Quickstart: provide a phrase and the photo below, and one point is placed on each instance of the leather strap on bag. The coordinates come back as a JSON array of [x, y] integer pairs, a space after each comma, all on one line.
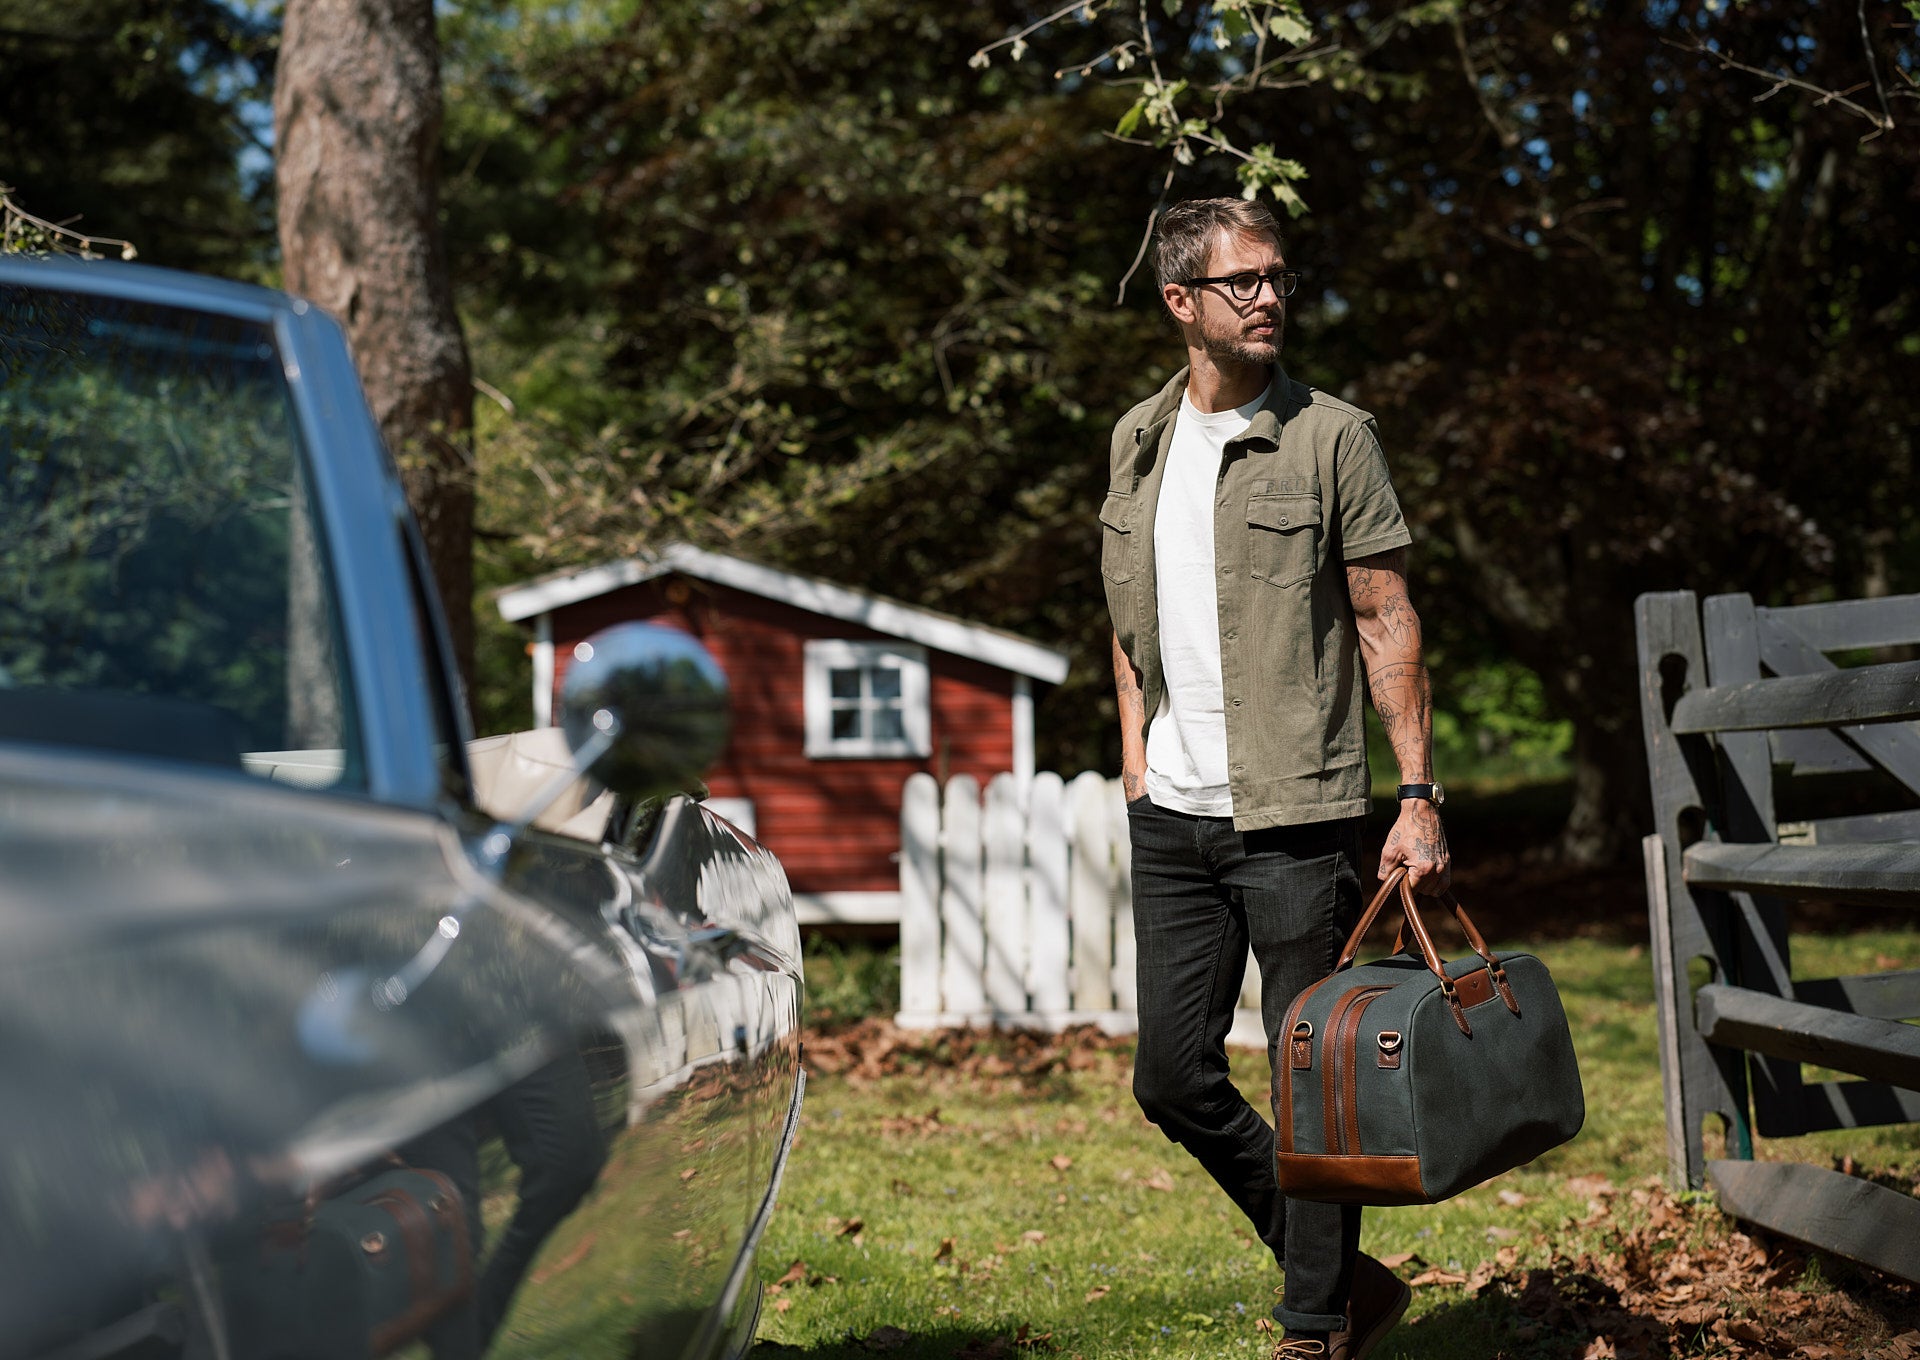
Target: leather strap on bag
[[1397, 881]]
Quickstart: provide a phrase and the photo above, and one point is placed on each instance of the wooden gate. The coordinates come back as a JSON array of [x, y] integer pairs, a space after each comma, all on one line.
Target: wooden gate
[[1016, 908], [1739, 703]]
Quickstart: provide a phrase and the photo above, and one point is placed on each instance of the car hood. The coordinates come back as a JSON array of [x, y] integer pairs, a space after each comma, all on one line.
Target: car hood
[[196, 1009]]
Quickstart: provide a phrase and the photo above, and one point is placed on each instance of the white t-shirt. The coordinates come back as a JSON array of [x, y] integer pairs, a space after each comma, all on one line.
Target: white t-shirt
[[1187, 740]]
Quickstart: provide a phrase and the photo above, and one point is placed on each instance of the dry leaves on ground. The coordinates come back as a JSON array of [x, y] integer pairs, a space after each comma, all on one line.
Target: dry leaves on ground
[[1681, 1279], [875, 1047]]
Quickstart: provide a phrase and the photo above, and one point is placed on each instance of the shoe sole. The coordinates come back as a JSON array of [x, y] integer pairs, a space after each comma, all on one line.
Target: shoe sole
[[1364, 1345]]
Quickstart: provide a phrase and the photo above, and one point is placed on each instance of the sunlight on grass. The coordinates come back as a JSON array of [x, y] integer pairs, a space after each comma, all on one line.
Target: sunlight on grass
[[985, 1206]]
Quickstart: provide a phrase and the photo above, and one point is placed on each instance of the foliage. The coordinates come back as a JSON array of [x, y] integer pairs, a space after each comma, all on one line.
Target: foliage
[[127, 119], [146, 478], [839, 310]]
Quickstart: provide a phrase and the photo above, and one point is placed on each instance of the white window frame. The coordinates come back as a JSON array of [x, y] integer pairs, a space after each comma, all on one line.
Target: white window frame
[[824, 655]]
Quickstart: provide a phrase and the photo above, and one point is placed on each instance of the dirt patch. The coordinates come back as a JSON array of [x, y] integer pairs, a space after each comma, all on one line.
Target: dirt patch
[[875, 1047]]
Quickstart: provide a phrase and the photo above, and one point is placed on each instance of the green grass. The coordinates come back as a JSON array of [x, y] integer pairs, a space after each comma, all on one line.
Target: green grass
[[1182, 1276]]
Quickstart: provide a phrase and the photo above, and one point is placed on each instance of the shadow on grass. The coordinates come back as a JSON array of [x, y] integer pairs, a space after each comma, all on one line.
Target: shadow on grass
[[1555, 1316], [957, 1343]]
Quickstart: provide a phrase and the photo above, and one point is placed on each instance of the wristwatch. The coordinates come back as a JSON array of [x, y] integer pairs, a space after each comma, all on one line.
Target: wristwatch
[[1434, 793]]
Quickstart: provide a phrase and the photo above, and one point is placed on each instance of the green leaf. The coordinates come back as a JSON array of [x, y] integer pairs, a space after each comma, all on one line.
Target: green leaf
[[1131, 118]]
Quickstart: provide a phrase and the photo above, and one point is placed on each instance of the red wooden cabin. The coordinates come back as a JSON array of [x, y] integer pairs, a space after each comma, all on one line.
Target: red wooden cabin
[[838, 696]]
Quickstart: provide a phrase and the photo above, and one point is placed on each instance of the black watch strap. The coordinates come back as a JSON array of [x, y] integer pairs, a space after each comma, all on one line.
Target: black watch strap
[[1433, 792]]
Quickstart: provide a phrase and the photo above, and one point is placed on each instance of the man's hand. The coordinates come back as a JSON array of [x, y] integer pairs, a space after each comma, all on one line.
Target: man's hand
[[1419, 844]]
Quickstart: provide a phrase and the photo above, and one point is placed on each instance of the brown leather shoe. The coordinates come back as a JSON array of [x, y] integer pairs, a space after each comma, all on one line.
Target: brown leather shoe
[[1379, 1298]]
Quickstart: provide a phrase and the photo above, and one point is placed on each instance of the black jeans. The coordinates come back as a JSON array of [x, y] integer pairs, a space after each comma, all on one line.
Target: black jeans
[[1201, 893]]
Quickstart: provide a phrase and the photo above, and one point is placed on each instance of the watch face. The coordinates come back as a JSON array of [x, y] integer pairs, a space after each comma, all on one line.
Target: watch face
[[1439, 793]]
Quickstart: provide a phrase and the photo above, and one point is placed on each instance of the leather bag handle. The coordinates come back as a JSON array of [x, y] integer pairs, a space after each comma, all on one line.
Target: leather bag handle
[[1496, 974]]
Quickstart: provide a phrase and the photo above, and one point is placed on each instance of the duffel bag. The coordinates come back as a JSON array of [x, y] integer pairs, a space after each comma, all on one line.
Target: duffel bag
[[356, 1273], [1410, 1079]]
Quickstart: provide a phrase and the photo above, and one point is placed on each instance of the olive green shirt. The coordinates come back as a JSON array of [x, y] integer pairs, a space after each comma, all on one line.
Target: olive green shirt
[[1302, 492]]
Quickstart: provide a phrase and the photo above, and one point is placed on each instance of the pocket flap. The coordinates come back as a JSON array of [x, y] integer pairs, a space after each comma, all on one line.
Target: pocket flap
[[1284, 513], [1116, 512]]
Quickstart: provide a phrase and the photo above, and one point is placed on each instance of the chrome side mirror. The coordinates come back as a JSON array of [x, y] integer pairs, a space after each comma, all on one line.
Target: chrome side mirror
[[657, 702]]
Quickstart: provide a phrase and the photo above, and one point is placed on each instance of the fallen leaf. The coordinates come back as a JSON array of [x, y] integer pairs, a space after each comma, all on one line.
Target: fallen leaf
[[1436, 1277], [567, 1262], [901, 1188], [795, 1273], [1513, 1199], [1502, 1234], [1590, 1187], [886, 1339], [1060, 1162], [781, 1305], [1033, 1235], [1161, 1179], [689, 1173], [683, 1233], [852, 1227], [1398, 1259], [946, 1249], [1099, 1291], [1600, 1348]]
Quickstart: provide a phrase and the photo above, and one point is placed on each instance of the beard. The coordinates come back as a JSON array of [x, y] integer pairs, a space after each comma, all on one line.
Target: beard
[[1234, 343]]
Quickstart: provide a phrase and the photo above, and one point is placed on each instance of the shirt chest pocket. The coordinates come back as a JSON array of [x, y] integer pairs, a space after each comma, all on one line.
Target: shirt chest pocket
[[1283, 538], [1116, 537]]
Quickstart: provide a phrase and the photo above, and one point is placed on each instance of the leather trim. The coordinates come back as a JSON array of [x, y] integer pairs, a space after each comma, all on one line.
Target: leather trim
[[1476, 989], [1350, 1142], [1350, 1180], [1283, 1117]]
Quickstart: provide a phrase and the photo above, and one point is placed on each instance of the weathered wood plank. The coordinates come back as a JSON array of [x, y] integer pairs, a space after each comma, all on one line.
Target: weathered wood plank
[[1894, 747], [1666, 1004], [1089, 902], [1815, 750], [1047, 959], [1890, 621], [1868, 828], [919, 896], [1764, 951], [1712, 1081], [1005, 906], [1880, 1050], [1857, 1105], [1125, 992], [1845, 1215], [963, 961], [1885, 996], [1865, 694], [1875, 875]]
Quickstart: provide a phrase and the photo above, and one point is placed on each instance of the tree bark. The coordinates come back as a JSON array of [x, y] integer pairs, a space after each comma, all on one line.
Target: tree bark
[[356, 116]]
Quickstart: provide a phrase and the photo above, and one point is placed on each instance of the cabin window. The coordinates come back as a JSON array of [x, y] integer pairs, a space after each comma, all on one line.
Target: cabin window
[[866, 699]]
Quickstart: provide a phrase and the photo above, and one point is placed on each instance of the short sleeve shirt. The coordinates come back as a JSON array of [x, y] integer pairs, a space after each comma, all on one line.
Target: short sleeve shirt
[[1304, 490]]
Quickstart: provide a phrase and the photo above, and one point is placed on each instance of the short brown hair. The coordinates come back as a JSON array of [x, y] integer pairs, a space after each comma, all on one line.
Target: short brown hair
[[1185, 234]]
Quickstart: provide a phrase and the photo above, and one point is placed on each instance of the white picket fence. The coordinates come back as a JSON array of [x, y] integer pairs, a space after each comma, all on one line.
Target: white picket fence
[[1018, 911]]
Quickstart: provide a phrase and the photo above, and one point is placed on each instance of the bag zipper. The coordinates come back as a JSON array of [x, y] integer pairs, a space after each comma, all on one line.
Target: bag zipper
[[1343, 1024]]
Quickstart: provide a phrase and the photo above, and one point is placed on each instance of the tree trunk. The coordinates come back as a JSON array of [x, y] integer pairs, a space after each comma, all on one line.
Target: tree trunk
[[356, 116]]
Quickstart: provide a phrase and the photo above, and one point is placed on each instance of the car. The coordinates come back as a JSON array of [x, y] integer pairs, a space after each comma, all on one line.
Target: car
[[324, 1029]]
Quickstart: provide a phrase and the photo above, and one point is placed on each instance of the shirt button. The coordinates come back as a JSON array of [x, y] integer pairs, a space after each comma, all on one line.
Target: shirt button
[[1238, 769], [1284, 521], [1236, 703], [1233, 635]]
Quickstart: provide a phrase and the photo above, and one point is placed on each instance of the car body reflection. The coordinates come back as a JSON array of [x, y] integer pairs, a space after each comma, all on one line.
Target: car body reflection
[[309, 1045]]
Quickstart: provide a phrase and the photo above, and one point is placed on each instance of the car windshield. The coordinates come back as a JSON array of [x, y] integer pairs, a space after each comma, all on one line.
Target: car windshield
[[163, 585]]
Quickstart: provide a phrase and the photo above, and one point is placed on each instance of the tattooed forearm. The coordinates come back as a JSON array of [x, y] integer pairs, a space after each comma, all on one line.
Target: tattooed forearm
[[1133, 723], [1390, 645]]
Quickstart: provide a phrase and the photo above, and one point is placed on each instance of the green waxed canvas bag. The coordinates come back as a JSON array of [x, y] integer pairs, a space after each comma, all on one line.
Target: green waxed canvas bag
[[1412, 1078]]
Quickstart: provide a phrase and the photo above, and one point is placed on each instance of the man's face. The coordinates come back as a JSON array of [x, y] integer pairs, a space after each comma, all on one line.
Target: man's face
[[1231, 330]]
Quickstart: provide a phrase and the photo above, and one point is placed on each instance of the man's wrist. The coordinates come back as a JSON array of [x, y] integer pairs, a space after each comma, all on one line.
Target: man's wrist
[[1429, 791]]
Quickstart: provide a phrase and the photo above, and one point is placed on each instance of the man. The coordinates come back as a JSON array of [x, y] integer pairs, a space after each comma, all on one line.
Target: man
[[1255, 565]]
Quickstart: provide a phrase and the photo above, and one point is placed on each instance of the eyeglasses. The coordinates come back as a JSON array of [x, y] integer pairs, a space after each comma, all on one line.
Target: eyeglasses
[[1246, 286]]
